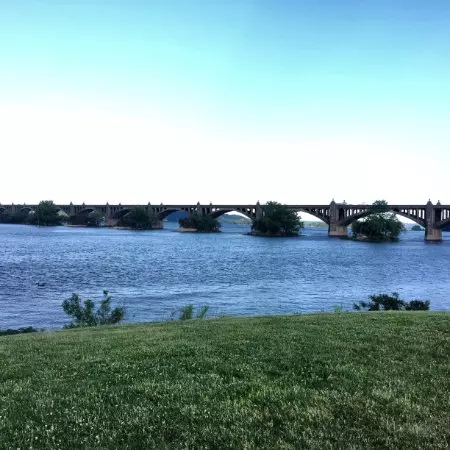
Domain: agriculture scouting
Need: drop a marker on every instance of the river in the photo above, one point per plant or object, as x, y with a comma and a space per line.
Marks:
153, 273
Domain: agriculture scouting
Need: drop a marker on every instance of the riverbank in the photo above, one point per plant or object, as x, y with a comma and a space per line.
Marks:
347, 380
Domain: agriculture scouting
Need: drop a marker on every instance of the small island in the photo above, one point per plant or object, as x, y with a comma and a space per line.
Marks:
138, 219
277, 221
201, 224
379, 225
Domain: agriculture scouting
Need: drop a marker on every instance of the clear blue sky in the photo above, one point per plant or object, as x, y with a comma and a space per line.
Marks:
345, 99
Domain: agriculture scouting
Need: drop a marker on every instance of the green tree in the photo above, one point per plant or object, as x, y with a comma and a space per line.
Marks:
46, 213
137, 218
203, 224
84, 315
416, 228
379, 225
380, 207
94, 219
5, 217
21, 216
277, 219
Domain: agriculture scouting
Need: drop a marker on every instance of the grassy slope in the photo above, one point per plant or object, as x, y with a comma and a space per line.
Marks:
361, 380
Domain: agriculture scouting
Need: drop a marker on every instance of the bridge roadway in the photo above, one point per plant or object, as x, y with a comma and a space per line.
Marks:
338, 216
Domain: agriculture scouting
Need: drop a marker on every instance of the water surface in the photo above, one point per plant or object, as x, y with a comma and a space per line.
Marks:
153, 273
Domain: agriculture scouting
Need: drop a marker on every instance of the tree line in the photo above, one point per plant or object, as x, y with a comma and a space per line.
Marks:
45, 214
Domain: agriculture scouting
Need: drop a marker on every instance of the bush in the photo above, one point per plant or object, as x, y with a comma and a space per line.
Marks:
85, 316
417, 305
386, 302
203, 311
187, 312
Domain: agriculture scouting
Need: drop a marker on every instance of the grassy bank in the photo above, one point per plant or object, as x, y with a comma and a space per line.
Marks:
351, 380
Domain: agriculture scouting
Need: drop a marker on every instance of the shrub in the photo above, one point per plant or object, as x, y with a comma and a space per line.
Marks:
417, 305
203, 311
187, 312
84, 314
386, 302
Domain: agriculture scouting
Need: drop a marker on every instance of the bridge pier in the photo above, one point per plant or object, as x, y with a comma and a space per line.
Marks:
335, 230
433, 234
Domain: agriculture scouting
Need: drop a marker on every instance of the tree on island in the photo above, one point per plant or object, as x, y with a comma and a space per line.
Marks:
416, 228
277, 220
379, 225
19, 217
46, 213
203, 224
87, 219
137, 219
94, 219
5, 217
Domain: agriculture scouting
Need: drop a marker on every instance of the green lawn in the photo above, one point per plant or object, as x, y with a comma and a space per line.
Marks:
347, 380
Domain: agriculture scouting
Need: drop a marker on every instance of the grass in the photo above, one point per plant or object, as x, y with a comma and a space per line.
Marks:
351, 380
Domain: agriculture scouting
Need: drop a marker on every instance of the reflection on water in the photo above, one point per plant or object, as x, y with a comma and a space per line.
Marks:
154, 272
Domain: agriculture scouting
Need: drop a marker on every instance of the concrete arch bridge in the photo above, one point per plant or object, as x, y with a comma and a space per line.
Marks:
338, 216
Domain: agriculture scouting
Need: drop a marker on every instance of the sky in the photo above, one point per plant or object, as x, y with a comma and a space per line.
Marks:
224, 101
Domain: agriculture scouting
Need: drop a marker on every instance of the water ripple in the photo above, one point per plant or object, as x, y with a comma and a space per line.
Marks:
154, 273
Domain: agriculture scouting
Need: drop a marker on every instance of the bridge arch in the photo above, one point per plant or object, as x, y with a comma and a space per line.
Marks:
82, 216
161, 215
27, 209
86, 211
64, 209
347, 221
120, 213
443, 224
315, 214
220, 212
